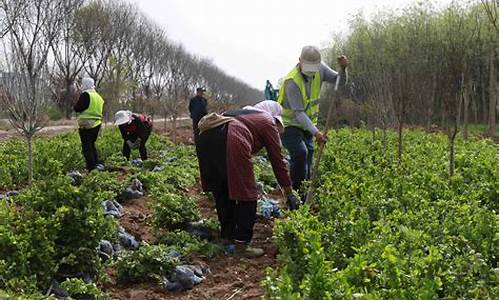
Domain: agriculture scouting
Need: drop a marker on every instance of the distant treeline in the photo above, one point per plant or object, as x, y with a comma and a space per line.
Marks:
423, 66
135, 65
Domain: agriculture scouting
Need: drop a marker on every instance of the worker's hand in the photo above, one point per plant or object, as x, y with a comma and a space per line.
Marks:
342, 61
137, 142
320, 137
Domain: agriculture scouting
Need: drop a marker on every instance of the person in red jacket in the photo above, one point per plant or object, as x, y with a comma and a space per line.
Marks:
226, 146
135, 130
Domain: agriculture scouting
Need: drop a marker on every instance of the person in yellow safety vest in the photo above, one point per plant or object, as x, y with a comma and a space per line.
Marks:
300, 96
89, 109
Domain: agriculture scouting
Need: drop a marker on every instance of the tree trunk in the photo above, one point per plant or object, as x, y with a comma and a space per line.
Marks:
452, 134
451, 170
473, 103
484, 110
466, 98
29, 139
174, 129
430, 105
400, 140
493, 98
165, 122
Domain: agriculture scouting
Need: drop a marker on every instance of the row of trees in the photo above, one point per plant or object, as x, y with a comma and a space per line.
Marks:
426, 67
48, 45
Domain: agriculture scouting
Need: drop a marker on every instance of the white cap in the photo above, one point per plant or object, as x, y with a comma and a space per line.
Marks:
122, 117
310, 59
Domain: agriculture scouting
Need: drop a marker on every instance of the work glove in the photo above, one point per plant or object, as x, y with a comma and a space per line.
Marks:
292, 201
137, 143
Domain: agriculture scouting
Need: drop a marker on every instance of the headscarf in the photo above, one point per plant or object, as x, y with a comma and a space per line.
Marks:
271, 107
87, 84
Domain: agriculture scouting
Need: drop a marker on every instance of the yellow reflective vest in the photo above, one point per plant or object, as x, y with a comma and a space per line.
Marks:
94, 111
311, 102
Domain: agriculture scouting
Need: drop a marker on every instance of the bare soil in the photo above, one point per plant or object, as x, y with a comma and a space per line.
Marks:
232, 277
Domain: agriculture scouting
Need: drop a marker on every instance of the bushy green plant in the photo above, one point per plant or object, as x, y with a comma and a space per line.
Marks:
107, 184
187, 244
150, 262
395, 230
51, 226
173, 211
76, 287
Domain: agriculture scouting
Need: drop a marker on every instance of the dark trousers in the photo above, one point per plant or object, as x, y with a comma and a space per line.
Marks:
300, 146
142, 147
236, 218
88, 138
196, 132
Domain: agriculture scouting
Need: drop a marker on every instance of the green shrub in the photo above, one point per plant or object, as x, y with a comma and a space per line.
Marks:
50, 227
150, 262
173, 211
394, 231
187, 244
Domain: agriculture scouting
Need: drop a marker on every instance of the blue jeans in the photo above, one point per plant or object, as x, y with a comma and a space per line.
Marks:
300, 146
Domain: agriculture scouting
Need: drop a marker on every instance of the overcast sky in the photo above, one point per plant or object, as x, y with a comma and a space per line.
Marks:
255, 40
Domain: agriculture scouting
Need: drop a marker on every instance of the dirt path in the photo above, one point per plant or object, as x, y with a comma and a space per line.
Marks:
69, 125
231, 277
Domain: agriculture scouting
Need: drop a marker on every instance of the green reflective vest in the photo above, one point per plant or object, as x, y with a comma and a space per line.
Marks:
311, 102
94, 111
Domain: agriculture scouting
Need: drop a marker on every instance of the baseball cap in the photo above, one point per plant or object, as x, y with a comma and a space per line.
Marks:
201, 89
310, 59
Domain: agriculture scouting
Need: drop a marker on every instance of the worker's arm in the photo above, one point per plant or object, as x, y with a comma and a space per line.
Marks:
271, 140
82, 103
330, 75
191, 107
296, 104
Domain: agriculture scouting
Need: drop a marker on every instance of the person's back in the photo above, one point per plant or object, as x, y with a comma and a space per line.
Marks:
135, 130
89, 109
197, 109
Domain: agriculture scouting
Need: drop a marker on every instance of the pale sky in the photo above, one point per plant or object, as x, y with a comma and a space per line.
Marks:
255, 40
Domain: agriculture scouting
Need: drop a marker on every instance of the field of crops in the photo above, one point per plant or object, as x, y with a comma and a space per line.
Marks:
377, 229
386, 231
51, 235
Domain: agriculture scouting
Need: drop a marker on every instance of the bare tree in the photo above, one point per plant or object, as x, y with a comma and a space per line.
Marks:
67, 63
94, 36
28, 45
9, 13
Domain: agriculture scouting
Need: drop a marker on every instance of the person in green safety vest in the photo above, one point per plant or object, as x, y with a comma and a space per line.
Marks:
89, 109
300, 96
270, 93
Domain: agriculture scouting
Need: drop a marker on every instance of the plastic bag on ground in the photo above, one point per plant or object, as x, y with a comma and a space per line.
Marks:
268, 208
127, 240
106, 250
12, 193
137, 162
134, 191
76, 176
112, 208
200, 230
185, 277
